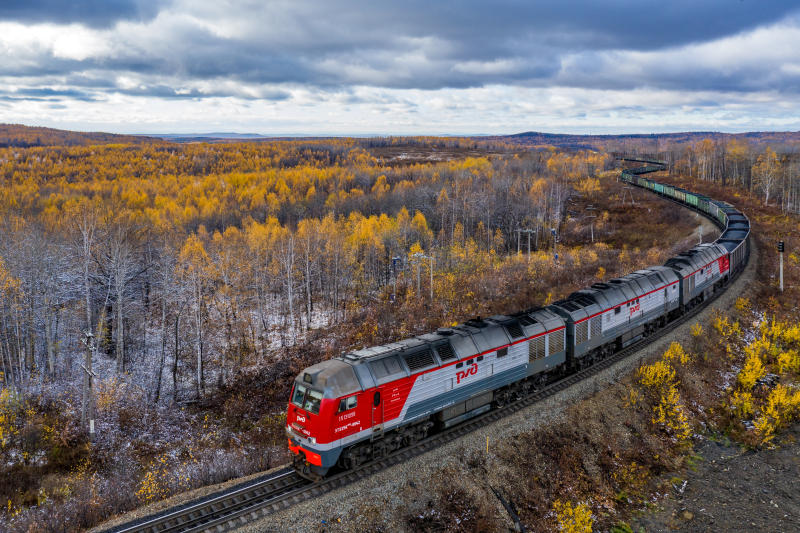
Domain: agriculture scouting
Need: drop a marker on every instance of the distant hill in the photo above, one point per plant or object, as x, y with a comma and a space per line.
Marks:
214, 135
594, 142
27, 136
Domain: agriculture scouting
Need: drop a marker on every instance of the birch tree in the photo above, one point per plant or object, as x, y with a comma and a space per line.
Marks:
196, 269
766, 172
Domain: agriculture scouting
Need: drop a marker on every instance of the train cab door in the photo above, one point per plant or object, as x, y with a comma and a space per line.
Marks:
377, 413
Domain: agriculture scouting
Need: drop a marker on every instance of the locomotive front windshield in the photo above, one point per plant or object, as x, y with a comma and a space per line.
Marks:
307, 399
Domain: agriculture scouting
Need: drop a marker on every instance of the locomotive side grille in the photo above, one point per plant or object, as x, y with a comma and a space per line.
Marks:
527, 321
536, 348
582, 332
514, 330
418, 360
556, 341
596, 324
445, 352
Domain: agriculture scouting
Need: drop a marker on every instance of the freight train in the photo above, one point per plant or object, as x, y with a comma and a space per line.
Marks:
368, 403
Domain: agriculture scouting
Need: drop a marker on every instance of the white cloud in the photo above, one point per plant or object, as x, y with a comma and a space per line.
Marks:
369, 110
72, 41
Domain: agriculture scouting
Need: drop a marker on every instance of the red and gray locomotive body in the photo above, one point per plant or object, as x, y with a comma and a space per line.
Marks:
609, 316
370, 402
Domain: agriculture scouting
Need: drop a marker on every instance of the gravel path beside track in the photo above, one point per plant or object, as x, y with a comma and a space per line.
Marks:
386, 491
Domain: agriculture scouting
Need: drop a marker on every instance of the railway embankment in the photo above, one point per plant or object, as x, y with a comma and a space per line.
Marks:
733, 488
453, 484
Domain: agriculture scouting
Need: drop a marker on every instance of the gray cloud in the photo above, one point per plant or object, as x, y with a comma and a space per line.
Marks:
319, 53
414, 44
93, 13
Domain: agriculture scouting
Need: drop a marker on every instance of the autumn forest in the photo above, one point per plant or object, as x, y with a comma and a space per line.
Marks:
165, 294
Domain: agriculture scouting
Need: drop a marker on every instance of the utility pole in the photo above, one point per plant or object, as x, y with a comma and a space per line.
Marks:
555, 253
88, 341
395, 260
630, 191
418, 283
521, 231
431, 258
780, 251
591, 221
420, 256
529, 244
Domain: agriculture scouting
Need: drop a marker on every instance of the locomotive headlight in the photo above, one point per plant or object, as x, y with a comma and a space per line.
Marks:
312, 440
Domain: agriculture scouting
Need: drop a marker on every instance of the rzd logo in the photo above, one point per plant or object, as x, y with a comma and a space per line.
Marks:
471, 371
635, 308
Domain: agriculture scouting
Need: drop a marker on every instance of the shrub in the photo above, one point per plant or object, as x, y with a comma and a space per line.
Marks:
782, 407
573, 518
676, 354
742, 403
752, 371
10, 407
789, 362
661, 385
726, 328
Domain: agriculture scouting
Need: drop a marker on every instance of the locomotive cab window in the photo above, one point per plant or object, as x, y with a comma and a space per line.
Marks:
312, 401
345, 404
307, 399
299, 394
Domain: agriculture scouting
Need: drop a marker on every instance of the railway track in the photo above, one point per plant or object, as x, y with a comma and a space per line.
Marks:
222, 509
246, 503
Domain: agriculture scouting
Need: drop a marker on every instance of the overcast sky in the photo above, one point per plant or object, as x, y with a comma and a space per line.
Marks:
400, 67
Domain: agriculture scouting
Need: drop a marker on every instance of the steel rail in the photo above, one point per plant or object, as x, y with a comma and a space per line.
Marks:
198, 515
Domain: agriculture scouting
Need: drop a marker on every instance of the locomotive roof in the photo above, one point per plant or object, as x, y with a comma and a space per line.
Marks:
473, 336
695, 258
333, 377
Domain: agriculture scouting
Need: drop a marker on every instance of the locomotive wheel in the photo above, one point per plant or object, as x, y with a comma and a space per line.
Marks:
395, 443
527, 388
379, 450
350, 459
502, 398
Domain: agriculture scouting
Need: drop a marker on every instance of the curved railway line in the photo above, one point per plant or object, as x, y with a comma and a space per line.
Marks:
251, 501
